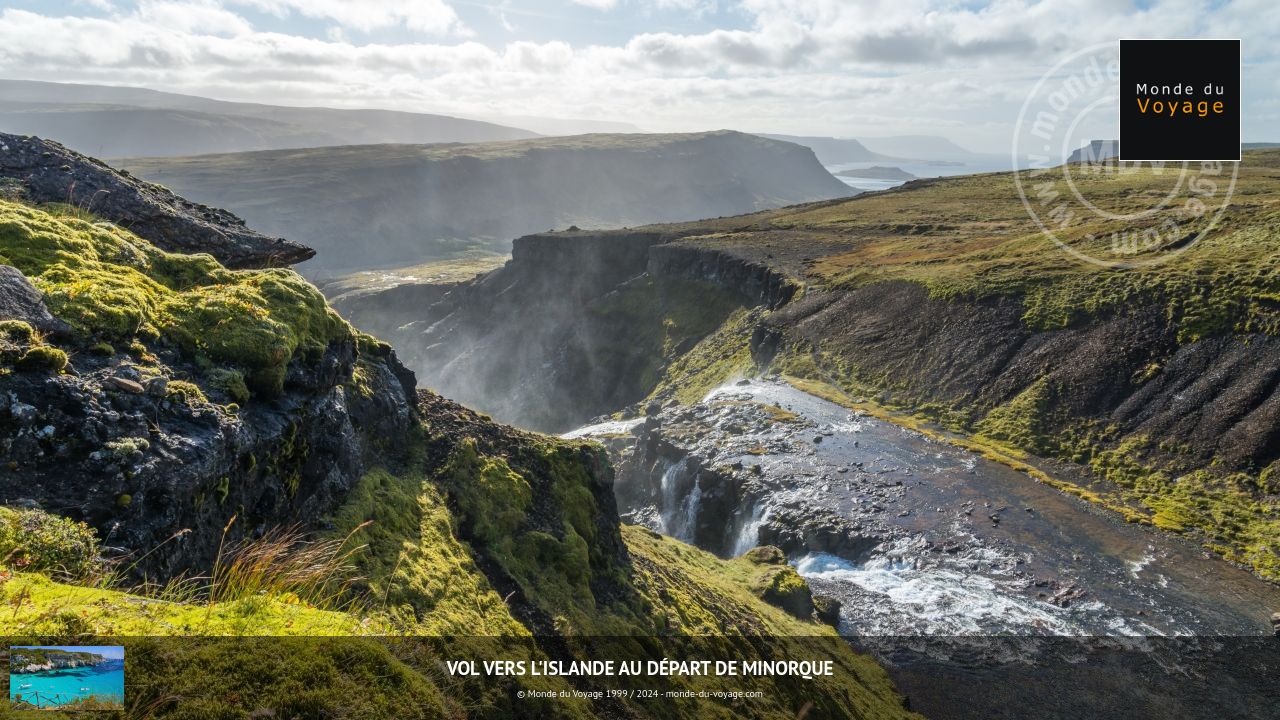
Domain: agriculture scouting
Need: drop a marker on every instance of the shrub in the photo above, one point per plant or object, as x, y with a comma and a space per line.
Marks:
42, 358
38, 541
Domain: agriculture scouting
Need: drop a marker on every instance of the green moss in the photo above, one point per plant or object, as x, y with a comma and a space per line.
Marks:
185, 392
783, 587
102, 612
102, 349
719, 357
18, 331
1023, 420
370, 345
231, 382
42, 358
111, 285
37, 541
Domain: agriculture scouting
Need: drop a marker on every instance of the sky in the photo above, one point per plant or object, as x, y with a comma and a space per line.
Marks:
843, 68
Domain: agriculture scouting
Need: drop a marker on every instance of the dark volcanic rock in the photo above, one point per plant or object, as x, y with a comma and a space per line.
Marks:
20, 300
48, 172
143, 466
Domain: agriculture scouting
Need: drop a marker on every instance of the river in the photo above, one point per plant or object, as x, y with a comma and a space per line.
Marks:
922, 540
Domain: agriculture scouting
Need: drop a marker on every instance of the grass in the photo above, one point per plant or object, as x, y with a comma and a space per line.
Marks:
969, 238
435, 272
719, 357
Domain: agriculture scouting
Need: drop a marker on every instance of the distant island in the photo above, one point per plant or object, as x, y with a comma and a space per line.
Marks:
878, 172
34, 660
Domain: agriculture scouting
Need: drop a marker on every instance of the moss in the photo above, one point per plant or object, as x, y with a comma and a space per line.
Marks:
716, 359
18, 331
370, 345
128, 447
102, 349
114, 613
231, 382
124, 500
37, 541
783, 587
185, 392
1023, 420
42, 358
110, 285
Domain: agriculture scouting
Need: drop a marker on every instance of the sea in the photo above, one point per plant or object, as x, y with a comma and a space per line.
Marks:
104, 683
922, 169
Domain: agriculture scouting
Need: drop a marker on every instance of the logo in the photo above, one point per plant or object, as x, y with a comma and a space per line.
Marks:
1096, 207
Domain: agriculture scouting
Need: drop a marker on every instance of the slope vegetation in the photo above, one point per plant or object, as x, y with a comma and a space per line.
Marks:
199, 452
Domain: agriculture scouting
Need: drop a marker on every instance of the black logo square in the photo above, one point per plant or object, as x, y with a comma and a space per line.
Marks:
1180, 100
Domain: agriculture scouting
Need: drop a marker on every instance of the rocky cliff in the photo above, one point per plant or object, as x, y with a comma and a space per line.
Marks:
222, 434
1151, 391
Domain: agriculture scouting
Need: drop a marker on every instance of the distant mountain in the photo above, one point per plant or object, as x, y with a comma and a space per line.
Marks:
563, 126
380, 206
920, 147
831, 151
878, 172
1096, 151
108, 121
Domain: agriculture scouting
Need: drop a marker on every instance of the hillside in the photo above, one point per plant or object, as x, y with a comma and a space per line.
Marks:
365, 207
108, 121
1150, 391
199, 452
832, 151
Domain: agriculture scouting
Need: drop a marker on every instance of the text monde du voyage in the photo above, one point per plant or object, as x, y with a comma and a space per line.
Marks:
1181, 99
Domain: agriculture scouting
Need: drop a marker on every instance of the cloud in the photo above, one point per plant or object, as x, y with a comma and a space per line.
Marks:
192, 16
801, 66
426, 16
597, 4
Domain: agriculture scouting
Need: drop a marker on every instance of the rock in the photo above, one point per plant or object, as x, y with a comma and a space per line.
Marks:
125, 384
157, 386
766, 555
1275, 623
827, 609
20, 300
150, 211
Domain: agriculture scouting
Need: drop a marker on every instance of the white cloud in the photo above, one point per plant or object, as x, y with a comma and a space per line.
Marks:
597, 4
426, 16
801, 66
192, 16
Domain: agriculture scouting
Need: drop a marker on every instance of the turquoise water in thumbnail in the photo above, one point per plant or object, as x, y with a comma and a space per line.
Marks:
104, 682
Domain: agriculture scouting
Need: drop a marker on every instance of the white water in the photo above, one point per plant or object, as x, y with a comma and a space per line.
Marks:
612, 427
936, 601
670, 501
749, 535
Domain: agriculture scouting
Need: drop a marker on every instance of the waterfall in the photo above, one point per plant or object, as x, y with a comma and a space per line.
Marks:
688, 528
749, 534
670, 492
